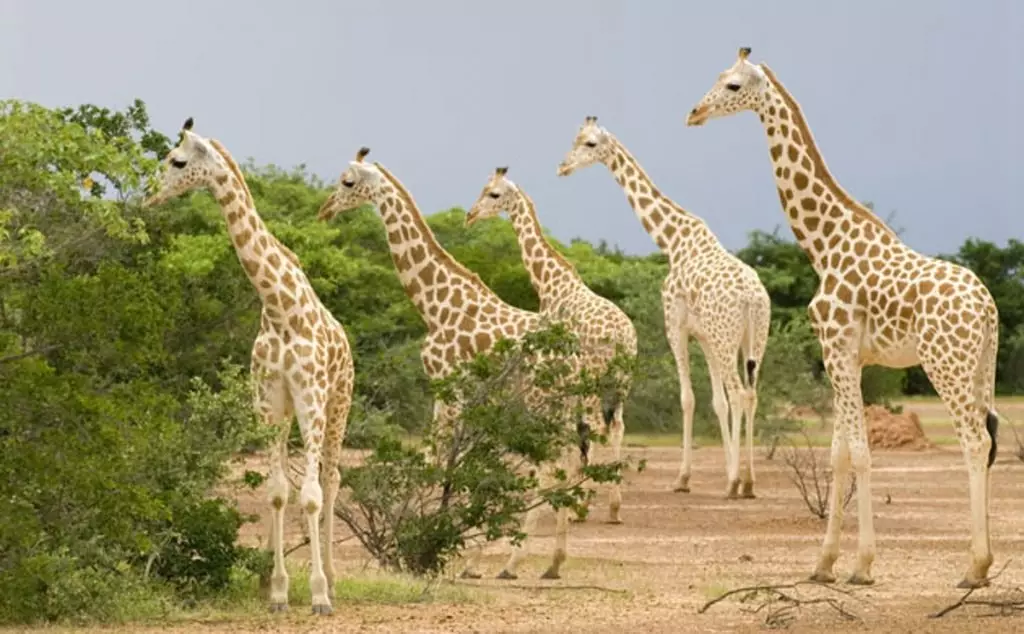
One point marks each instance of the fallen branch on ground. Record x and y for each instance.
(779, 602)
(512, 586)
(1011, 602)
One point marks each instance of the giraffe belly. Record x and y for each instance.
(900, 354)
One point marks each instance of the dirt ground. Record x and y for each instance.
(675, 551)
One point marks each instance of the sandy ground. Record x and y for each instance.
(674, 551)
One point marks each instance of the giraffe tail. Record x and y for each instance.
(583, 432)
(751, 355)
(985, 380)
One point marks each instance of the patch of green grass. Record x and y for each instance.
(243, 598)
(401, 589)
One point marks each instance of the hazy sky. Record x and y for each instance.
(916, 105)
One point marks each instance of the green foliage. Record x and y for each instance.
(415, 515)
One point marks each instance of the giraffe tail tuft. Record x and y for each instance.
(751, 369)
(583, 431)
(992, 426)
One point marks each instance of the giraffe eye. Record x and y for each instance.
(494, 195)
(732, 87)
(348, 183)
(178, 164)
(590, 144)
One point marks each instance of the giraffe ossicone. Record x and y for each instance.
(301, 362)
(603, 329)
(878, 302)
(708, 293)
(463, 316)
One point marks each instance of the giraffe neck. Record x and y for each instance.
(431, 277)
(550, 272)
(259, 252)
(826, 221)
(666, 222)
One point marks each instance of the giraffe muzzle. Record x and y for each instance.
(564, 169)
(698, 116)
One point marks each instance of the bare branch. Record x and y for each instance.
(780, 602)
(1013, 604)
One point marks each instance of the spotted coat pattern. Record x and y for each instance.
(301, 363)
(709, 294)
(603, 328)
(879, 302)
(463, 316)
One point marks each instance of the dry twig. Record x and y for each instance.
(812, 477)
(1012, 601)
(781, 602)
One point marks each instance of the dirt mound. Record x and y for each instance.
(894, 431)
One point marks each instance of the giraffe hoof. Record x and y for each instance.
(550, 573)
(505, 574)
(748, 491)
(278, 607)
(614, 520)
(324, 609)
(733, 492)
(822, 577)
(857, 579)
(967, 584)
(469, 574)
(578, 520)
(681, 488)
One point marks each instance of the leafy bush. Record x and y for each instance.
(415, 515)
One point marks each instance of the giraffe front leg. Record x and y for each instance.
(272, 403)
(278, 490)
(571, 464)
(519, 551)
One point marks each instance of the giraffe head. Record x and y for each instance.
(593, 144)
(356, 187)
(192, 164)
(740, 87)
(499, 195)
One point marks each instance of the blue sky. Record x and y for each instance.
(916, 105)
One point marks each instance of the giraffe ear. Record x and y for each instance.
(501, 171)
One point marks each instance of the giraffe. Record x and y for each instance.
(879, 302)
(708, 293)
(301, 361)
(603, 329)
(463, 316)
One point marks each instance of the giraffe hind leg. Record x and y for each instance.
(975, 426)
(331, 476)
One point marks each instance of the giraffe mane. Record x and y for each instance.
(820, 169)
(532, 210)
(233, 166)
(657, 193)
(430, 239)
